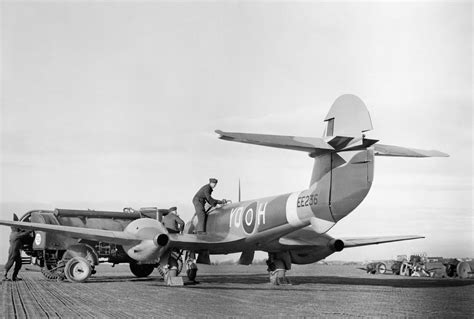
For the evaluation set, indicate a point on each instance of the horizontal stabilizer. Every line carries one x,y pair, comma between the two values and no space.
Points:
391,150
311,145
365,241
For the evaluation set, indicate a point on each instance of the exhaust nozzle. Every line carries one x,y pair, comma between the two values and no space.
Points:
336,245
161,240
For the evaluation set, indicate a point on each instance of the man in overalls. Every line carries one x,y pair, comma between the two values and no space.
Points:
17,238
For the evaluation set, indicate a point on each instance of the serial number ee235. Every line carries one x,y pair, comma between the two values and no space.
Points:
308,200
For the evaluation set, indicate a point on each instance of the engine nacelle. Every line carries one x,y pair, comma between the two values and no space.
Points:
310,255
152,239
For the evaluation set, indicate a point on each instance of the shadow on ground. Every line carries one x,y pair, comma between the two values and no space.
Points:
220,281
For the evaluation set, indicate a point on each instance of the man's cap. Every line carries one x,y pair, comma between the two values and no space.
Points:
173,209
212,180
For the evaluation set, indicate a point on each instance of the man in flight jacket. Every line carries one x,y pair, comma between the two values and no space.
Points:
202,197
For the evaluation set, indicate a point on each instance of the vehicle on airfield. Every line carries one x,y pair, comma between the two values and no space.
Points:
292,228
52,251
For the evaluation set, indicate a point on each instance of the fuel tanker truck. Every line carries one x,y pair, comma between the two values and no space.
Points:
58,255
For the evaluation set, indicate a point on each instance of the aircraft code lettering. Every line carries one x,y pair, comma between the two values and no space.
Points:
308,200
248,217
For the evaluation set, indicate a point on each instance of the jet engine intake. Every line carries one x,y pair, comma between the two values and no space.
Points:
336,245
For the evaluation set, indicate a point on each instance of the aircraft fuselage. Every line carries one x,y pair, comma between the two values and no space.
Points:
339,184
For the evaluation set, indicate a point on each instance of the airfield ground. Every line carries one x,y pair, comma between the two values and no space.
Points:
317,290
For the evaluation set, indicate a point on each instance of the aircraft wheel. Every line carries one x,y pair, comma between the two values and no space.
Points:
191,274
381,268
141,271
191,271
78,269
464,270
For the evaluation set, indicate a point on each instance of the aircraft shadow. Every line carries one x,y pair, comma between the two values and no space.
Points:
335,280
256,280
106,279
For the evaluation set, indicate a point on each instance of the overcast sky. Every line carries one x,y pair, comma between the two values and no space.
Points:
107,105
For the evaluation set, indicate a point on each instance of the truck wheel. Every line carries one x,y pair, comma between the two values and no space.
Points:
141,271
78,269
381,268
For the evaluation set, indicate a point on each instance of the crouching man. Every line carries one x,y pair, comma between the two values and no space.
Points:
278,263
174,224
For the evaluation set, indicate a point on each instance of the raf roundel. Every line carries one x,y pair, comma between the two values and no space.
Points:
38,239
249,218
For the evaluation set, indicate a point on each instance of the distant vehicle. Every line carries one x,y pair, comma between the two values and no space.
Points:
376,268
292,228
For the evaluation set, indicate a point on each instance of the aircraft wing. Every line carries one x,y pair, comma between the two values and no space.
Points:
365,241
109,236
184,241
392,150
297,143
202,242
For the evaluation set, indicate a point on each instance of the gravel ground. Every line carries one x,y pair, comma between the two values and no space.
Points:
317,291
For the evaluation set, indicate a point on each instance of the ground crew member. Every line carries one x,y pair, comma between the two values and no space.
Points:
202,197
17,238
173,223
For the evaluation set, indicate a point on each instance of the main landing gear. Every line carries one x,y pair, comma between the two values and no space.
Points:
278,263
173,264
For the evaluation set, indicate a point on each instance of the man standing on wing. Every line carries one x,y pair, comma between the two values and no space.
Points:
202,197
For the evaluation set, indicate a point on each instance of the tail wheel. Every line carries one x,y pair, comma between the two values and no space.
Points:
141,270
78,269
381,268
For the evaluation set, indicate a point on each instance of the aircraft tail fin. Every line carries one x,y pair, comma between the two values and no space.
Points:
348,116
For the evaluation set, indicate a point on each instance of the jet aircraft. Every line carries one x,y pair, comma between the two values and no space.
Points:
292,228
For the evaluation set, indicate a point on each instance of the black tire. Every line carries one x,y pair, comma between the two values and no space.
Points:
191,274
141,271
381,268
78,269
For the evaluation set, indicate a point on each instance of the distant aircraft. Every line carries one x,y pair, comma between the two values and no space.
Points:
292,228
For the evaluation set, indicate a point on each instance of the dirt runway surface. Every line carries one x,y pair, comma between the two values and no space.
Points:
223,291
